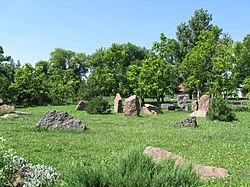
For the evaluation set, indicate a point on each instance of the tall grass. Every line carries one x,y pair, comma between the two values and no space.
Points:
134,169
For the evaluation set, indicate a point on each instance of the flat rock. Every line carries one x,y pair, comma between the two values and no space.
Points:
9,115
60,120
186,122
7,107
151,109
204,172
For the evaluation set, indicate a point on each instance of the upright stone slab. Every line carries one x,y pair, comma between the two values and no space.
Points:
131,106
118,103
182,102
1,101
195,105
203,106
204,103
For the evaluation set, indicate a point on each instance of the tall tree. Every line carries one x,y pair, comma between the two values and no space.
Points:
241,70
187,33
208,65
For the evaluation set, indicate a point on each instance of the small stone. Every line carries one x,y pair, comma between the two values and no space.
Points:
81,105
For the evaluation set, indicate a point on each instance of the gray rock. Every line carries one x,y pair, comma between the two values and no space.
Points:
168,106
182,102
187,122
60,120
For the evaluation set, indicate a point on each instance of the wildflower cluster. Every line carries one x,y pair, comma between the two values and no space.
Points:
17,171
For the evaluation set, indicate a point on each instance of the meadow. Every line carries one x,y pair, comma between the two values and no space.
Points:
214,143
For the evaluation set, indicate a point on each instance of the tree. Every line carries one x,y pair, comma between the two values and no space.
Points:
187,33
241,70
108,67
7,71
28,86
208,64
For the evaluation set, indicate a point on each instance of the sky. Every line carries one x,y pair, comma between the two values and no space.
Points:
31,29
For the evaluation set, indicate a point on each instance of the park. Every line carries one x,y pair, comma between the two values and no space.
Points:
46,140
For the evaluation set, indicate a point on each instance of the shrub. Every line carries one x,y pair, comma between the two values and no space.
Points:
135,169
220,110
98,105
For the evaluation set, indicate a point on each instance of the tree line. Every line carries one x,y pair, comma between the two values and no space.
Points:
202,57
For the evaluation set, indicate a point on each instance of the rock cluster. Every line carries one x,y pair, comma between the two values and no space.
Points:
60,120
203,171
186,122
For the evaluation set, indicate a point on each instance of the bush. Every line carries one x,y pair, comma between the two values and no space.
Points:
135,169
220,110
98,105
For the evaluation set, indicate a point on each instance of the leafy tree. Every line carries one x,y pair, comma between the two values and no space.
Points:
62,85
7,71
28,86
207,65
242,61
108,67
187,33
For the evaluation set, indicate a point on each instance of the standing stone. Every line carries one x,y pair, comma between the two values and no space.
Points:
118,103
195,105
131,106
81,105
204,103
182,102
1,101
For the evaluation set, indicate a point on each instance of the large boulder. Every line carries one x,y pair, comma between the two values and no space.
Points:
60,120
7,107
159,155
151,109
131,106
118,103
81,105
203,106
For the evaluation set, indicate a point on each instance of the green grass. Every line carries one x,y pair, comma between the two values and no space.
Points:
213,143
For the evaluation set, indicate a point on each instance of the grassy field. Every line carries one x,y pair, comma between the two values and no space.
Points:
218,144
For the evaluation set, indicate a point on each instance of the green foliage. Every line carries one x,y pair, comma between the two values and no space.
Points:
134,168
98,105
219,110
